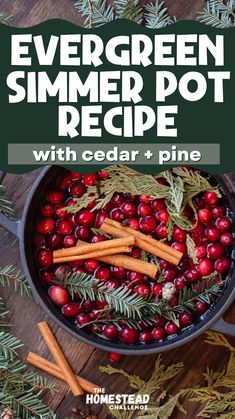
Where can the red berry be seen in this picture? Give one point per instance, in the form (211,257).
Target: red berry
(192,275)
(179,235)
(100,217)
(55,197)
(163,216)
(45,225)
(133,223)
(60,211)
(69,241)
(71,310)
(97,238)
(117,199)
(171,328)
(180,283)
(158,204)
(91,265)
(201,307)
(103,174)
(218,212)
(112,283)
(181,247)
(65,182)
(135,276)
(47,276)
(90,180)
(223,224)
(158,333)
(111,332)
(144,209)
(117,215)
(118,272)
(205,216)
(88,305)
(215,250)
(77,189)
(65,227)
(144,199)
(212,234)
(114,357)
(77,263)
(170,274)
(54,240)
(129,335)
(143,290)
(161,231)
(83,233)
(75,175)
(211,198)
(103,273)
(82,319)
(205,267)
(59,296)
(44,258)
(185,319)
(85,218)
(129,209)
(146,337)
(222,265)
(136,252)
(157,289)
(148,224)
(200,252)
(39,240)
(47,210)
(226,239)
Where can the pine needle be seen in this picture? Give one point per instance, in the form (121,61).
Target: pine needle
(6,205)
(5,18)
(156,15)
(218,13)
(95,12)
(9,276)
(129,9)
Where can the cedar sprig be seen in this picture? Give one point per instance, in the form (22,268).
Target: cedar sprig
(9,276)
(156,15)
(218,13)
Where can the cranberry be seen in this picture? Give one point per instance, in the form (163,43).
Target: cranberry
(71,310)
(100,217)
(94,314)
(117,199)
(78,269)
(198,201)
(163,264)
(69,241)
(161,231)
(192,275)
(77,263)
(223,224)
(205,267)
(158,204)
(44,258)
(47,277)
(60,211)
(83,233)
(201,307)
(205,216)
(114,357)
(142,290)
(45,225)
(96,328)
(170,274)
(158,333)
(129,209)
(59,296)
(112,283)
(144,210)
(180,283)
(136,252)
(111,332)
(129,335)
(65,227)
(88,305)
(200,252)
(71,202)
(218,212)
(118,272)
(226,239)
(157,289)
(171,328)
(133,223)
(82,319)
(144,198)
(97,238)
(163,216)
(103,174)
(215,250)
(54,240)
(117,215)
(179,235)
(55,197)
(47,210)
(146,337)
(77,189)
(135,276)
(91,265)
(212,234)
(185,319)
(103,273)
(39,240)
(181,247)
(90,180)
(211,198)
(148,224)
(85,218)
(198,233)
(75,175)
(65,182)
(222,265)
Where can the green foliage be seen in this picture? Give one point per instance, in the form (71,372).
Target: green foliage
(218,13)
(95,12)
(9,276)
(156,15)
(6,205)
(129,9)
(5,18)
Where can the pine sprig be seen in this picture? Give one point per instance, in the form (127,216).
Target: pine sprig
(129,9)
(9,276)
(6,205)
(5,18)
(156,15)
(96,12)
(218,13)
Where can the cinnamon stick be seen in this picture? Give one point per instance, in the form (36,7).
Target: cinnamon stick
(92,255)
(60,359)
(144,242)
(94,247)
(130,263)
(55,371)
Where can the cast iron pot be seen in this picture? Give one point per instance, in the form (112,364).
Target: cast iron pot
(23,229)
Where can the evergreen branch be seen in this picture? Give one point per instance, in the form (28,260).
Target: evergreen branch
(129,9)
(8,345)
(156,15)
(218,13)
(217,339)
(5,18)
(96,12)
(6,205)
(9,277)
(191,248)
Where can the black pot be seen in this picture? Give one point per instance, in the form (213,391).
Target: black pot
(23,229)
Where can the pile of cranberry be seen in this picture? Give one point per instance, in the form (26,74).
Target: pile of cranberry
(56,228)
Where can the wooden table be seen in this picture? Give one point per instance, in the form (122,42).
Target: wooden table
(25,314)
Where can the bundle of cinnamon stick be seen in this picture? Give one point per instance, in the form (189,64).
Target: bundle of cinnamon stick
(114,251)
(61,369)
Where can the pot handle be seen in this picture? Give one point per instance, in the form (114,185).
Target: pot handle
(13,226)
(224,327)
